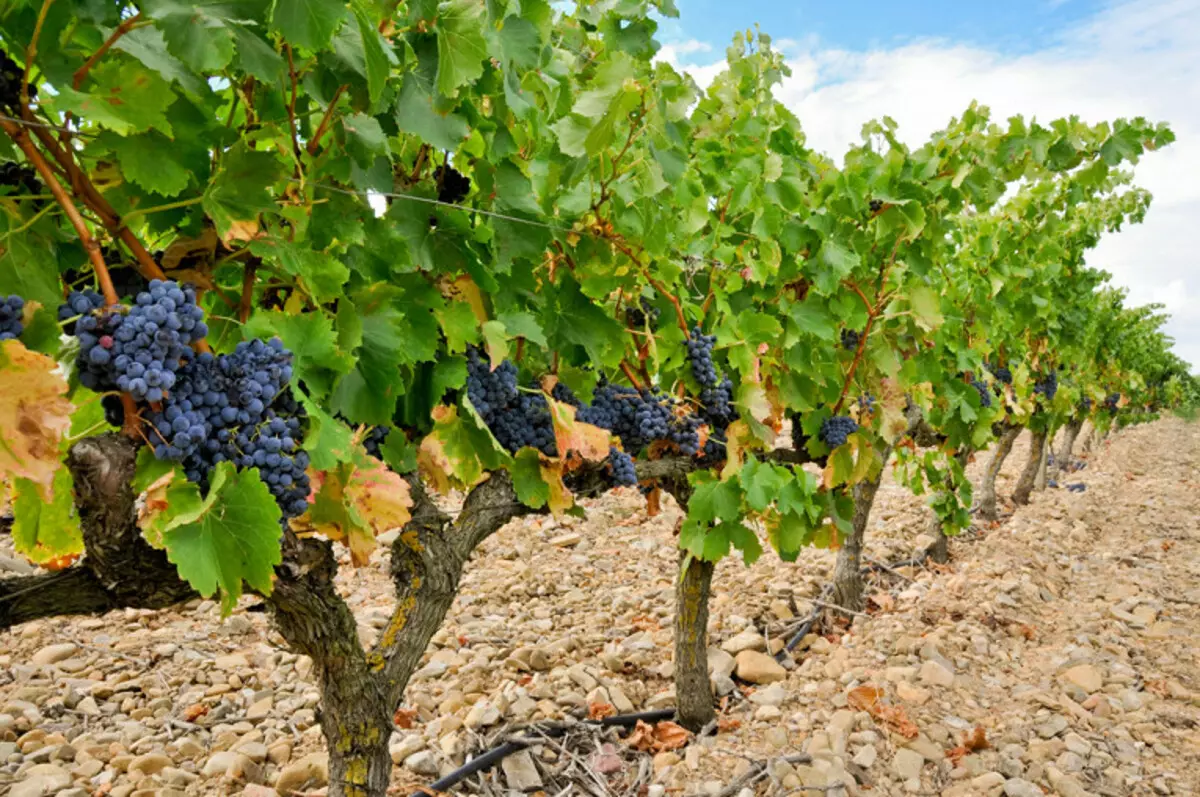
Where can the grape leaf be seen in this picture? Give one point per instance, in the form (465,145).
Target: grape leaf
(148,159)
(34,415)
(355,503)
(532,489)
(308,23)
(461,46)
(45,526)
(227,537)
(240,190)
(124,96)
(573,436)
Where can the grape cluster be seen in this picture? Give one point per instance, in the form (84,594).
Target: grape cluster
(850,339)
(866,402)
(453,185)
(137,350)
(1002,374)
(20,177)
(205,409)
(637,317)
(623,470)
(876,205)
(640,417)
(985,398)
(1047,385)
(12,310)
(716,392)
(1111,401)
(1085,405)
(375,439)
(11,75)
(517,419)
(836,429)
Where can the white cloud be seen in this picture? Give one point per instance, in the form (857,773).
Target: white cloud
(1136,58)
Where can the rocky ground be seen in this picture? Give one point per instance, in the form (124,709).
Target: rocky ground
(1058,653)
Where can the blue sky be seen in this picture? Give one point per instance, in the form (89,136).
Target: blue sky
(923,62)
(1006,25)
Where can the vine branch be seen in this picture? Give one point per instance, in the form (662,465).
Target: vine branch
(315,141)
(126,26)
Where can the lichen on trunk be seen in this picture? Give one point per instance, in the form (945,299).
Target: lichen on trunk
(693,691)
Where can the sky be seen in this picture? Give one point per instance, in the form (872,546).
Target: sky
(923,62)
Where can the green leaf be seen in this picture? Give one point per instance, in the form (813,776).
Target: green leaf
(308,23)
(149,46)
(229,537)
(745,540)
(328,440)
(148,469)
(459,325)
(532,489)
(415,114)
(257,57)
(374,55)
(123,96)
(524,325)
(28,267)
(317,360)
(149,160)
(926,307)
(461,46)
(241,189)
(762,483)
(196,32)
(834,262)
(322,274)
(45,527)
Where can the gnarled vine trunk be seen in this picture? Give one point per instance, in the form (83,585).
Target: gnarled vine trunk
(987,486)
(693,691)
(1040,480)
(847,573)
(1024,487)
(1062,459)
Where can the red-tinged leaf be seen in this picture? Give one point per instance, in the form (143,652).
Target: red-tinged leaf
(560,498)
(572,436)
(355,503)
(34,415)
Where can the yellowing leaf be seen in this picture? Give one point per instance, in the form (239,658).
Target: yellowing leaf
(355,504)
(45,525)
(34,414)
(560,497)
(589,442)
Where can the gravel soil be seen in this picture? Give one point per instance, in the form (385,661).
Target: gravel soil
(1057,653)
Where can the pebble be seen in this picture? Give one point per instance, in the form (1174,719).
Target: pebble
(1045,632)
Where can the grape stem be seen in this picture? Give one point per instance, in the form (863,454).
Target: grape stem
(658,286)
(247,302)
(315,141)
(82,187)
(291,109)
(126,26)
(630,375)
(20,137)
(31,50)
(873,312)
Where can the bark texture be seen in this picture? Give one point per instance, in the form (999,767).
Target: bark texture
(693,690)
(987,487)
(847,573)
(1063,458)
(1042,477)
(1025,484)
